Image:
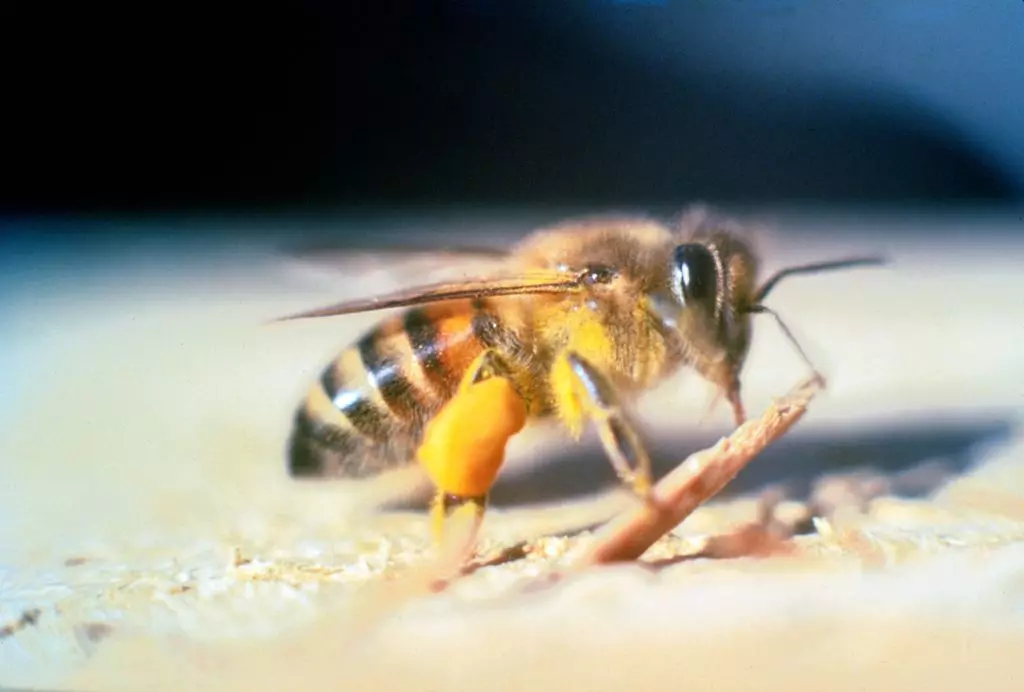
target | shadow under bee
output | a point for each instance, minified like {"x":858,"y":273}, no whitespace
{"x":917,"y":457}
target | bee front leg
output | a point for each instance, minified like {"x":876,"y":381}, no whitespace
{"x":585,"y":393}
{"x":463,"y":446}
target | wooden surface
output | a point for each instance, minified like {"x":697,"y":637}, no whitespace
{"x":146,"y":517}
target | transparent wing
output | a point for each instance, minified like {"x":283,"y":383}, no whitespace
{"x":327,"y":253}
{"x":333,"y":265}
{"x":532,"y":282}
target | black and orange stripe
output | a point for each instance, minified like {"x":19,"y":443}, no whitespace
{"x":367,"y":411}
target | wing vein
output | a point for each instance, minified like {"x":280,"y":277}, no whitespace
{"x":532,"y":283}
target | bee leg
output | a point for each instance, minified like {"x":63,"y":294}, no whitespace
{"x":438,"y":515}
{"x":487,"y":365}
{"x":451,"y":510}
{"x":595,"y":398}
{"x":463,"y":446}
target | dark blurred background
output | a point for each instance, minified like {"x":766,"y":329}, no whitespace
{"x":160,"y":107}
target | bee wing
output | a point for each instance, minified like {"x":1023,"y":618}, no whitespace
{"x":332,"y":254}
{"x":540,"y":281}
{"x":333,"y":264}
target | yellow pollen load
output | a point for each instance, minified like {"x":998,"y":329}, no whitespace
{"x":463,"y":446}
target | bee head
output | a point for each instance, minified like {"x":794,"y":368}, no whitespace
{"x":712,"y":283}
{"x":714,"y":291}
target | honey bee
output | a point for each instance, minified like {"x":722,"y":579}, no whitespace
{"x":574,"y":323}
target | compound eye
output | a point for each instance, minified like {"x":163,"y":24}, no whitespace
{"x":695,"y":274}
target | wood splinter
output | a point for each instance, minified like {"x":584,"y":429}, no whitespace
{"x":630,"y":534}
{"x":696,"y":480}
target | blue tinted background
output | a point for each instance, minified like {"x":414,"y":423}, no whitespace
{"x":306,"y":105}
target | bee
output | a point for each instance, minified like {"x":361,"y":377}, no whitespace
{"x":573,"y":323}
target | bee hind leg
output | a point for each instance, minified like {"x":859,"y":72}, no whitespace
{"x":487,"y":365}
{"x":463,"y":448}
{"x":587,"y":394}
{"x":464,"y":514}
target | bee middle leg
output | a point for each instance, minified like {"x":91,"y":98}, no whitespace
{"x":593,"y":397}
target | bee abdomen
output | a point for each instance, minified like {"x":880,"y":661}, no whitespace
{"x":317,"y":448}
{"x":366,"y":413}
{"x":363,"y":415}
{"x":356,"y":439}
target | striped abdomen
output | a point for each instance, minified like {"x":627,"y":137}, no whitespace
{"x":367,"y":411}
